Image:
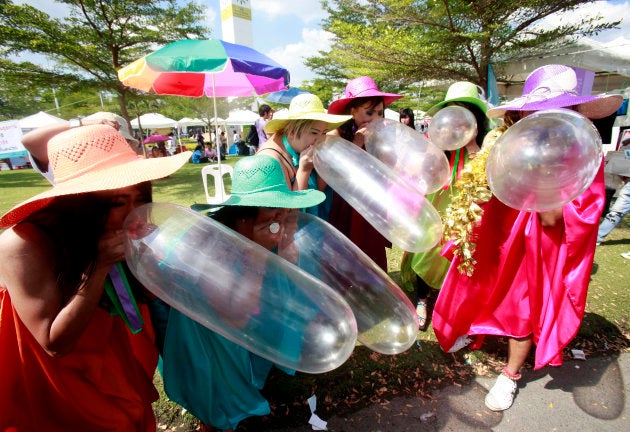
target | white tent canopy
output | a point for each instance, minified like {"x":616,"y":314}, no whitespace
{"x":241,"y":117}
{"x":610,"y":61}
{"x":391,"y":114}
{"x":40,"y":119}
{"x":187,"y":121}
{"x":153,"y":121}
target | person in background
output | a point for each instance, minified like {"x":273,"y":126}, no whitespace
{"x":426,"y":270}
{"x":223,"y":143}
{"x":620,"y":208}
{"x":36,"y":141}
{"x":363,"y":101}
{"x":530,"y":269}
{"x":215,"y":379}
{"x":236,"y":138}
{"x":78,"y":348}
{"x":209,"y":153}
{"x":407,"y":117}
{"x":197,"y":156}
{"x":266,"y":113}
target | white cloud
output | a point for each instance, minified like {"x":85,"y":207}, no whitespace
{"x":307,"y":11}
{"x":608,"y":9}
{"x":292,"y":55}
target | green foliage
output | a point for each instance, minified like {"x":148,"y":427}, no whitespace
{"x":87,"y":48}
{"x":402,"y":42}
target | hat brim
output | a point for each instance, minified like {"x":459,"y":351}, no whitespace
{"x":339,"y":106}
{"x":116,"y":177}
{"x":272,"y":199}
{"x":474,"y":101}
{"x":333,"y":121}
{"x":592,"y":107}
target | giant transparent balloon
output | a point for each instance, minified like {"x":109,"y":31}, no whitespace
{"x":545,"y":160}
{"x":386,"y":319}
{"x":395,"y":208}
{"x":452,"y":127}
{"x":238,"y":289}
{"x":408,"y":153}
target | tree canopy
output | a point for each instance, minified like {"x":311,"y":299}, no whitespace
{"x":86,"y":48}
{"x":402,"y":42}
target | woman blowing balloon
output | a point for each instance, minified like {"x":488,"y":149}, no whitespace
{"x":295,"y":134}
{"x":528,"y":275}
{"x":427,"y":269}
{"x":364,"y":102}
{"x":215,"y":379}
{"x":76,"y":354}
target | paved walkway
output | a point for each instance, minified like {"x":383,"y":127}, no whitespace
{"x":582,"y":395}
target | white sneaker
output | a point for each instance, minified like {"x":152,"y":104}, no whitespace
{"x":501,"y":395}
{"x":626,"y":255}
{"x":460,"y":343}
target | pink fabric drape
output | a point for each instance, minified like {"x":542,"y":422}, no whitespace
{"x":528,"y":280}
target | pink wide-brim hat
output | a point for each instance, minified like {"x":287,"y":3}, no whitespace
{"x":555,"y":86}
{"x":90,"y":159}
{"x":361,"y":87}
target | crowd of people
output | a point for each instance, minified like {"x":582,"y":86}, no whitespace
{"x":73,"y":349}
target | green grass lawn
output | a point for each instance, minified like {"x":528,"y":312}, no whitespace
{"x":368,"y":377}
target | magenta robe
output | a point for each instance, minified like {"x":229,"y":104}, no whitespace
{"x":528,"y":280}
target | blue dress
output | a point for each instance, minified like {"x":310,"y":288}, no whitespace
{"x":215,"y":379}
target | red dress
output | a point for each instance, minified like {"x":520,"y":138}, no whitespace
{"x":105,"y":384}
{"x":528,"y":280}
{"x":354,"y":226}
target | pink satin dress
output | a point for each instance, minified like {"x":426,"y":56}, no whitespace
{"x":528,"y":280}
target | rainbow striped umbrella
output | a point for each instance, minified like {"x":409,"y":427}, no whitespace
{"x":210,"y":67}
{"x":213,"y":67}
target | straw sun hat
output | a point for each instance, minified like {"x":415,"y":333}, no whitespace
{"x":556,"y":86}
{"x":305,"y":107}
{"x":258,"y":181}
{"x":361,"y":87}
{"x":123,"y":127}
{"x":89,"y":159}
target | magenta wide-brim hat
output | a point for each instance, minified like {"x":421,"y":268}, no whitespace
{"x":361,"y":87}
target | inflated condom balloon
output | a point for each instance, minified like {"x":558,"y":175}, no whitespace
{"x":545,"y":160}
{"x":385,"y":199}
{"x":452,"y":127}
{"x":238,"y":289}
{"x":408,"y":153}
{"x":386,"y":319}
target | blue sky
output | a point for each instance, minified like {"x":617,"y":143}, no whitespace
{"x":289,"y":30}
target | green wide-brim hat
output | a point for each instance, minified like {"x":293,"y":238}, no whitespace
{"x":258,"y":181}
{"x":461,"y":91}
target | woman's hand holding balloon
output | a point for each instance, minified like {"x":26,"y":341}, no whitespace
{"x":111,"y":249}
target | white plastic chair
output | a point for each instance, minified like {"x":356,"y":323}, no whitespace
{"x":217,"y":171}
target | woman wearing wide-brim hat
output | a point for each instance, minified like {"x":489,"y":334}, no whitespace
{"x":215,"y":379}
{"x":362,"y":100}
{"x":78,"y":350}
{"x":531,"y":269}
{"x":294,"y":133}
{"x":425,"y":270}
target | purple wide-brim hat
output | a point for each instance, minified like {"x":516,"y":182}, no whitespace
{"x":555,"y":86}
{"x":361,"y":87}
